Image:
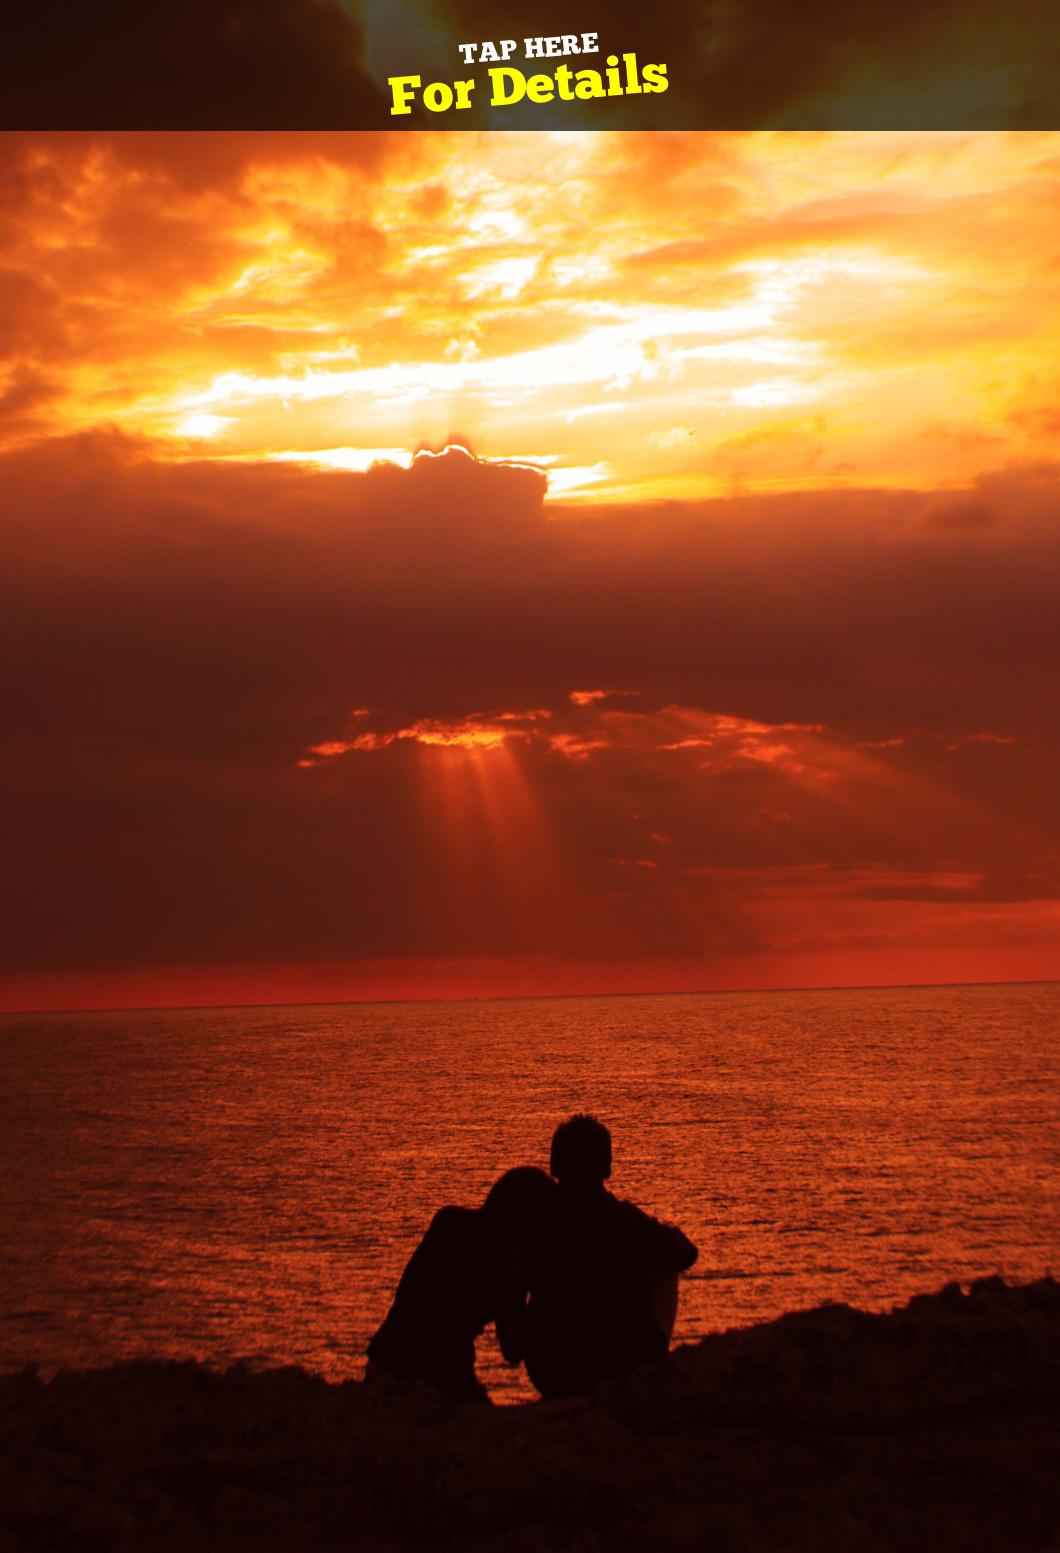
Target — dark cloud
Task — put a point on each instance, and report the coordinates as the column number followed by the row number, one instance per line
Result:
column 830, row 679
column 205, row 64
column 758, row 64
column 233, row 63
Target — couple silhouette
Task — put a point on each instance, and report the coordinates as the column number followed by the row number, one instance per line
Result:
column 581, row 1286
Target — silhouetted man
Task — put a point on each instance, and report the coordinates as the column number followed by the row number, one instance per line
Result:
column 599, row 1275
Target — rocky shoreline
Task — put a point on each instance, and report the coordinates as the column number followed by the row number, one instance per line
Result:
column 936, row 1427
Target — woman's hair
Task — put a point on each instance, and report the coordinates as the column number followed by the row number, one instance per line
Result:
column 518, row 1194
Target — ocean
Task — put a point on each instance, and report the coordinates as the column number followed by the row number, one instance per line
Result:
column 247, row 1183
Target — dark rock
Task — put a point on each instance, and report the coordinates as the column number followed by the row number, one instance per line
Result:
column 935, row 1427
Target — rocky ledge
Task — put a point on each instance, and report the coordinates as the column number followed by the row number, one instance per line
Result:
column 934, row 1427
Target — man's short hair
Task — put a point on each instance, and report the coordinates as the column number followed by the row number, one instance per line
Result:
column 581, row 1151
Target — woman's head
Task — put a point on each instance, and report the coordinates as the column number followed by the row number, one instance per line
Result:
column 518, row 1196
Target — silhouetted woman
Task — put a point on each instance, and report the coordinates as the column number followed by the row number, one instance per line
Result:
column 468, row 1270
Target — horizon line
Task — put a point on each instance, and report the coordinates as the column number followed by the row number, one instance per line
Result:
column 531, row 997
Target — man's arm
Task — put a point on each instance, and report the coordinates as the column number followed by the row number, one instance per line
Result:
column 667, row 1247
column 681, row 1251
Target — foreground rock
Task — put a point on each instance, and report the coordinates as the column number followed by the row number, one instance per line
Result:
column 932, row 1428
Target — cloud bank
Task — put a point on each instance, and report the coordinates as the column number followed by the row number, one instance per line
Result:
column 262, row 714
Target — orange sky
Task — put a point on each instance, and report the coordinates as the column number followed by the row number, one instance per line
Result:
column 646, row 316
column 755, row 690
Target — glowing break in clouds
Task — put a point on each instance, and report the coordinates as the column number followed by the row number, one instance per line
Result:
column 660, row 316
column 415, row 729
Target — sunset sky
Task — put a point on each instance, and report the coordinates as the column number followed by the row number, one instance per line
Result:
column 721, row 650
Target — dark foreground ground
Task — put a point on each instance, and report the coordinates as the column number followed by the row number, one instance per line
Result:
column 932, row 1428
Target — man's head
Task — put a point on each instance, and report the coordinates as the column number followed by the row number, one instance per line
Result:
column 581, row 1152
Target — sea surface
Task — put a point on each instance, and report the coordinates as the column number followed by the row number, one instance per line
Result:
column 248, row 1183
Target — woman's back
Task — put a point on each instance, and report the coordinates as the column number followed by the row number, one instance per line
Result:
column 446, row 1297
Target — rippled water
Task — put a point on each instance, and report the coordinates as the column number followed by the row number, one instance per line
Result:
column 248, row 1182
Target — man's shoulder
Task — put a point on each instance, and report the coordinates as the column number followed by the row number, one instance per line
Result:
column 628, row 1212
column 623, row 1206
column 664, row 1240
column 619, row 1212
